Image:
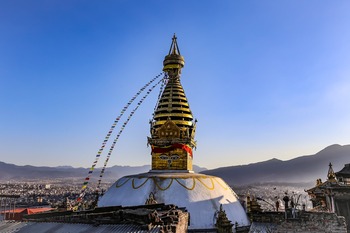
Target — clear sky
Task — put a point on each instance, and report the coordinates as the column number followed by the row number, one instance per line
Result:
column 265, row 79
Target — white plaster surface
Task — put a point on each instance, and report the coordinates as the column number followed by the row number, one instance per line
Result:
column 200, row 194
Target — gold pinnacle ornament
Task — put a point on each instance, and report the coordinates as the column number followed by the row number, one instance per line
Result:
column 172, row 126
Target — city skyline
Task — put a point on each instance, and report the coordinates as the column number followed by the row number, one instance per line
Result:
column 265, row 79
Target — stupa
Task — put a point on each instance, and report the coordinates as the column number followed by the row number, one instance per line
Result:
column 171, row 179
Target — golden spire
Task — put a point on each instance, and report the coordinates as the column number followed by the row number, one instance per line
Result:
column 173, row 59
column 331, row 174
column 172, row 127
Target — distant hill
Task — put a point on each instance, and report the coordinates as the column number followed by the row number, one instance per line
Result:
column 303, row 169
column 298, row 170
column 14, row 172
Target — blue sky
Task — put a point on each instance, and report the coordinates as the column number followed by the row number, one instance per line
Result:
column 265, row 79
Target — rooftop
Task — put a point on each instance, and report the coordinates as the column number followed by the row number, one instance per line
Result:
column 345, row 172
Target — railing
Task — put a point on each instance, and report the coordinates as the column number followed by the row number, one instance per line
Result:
column 170, row 141
column 8, row 206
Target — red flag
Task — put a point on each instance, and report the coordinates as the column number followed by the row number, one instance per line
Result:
column 172, row 147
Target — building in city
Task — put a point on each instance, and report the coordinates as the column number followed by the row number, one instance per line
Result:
column 333, row 195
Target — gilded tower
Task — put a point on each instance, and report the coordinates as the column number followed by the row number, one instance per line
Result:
column 171, row 179
column 172, row 126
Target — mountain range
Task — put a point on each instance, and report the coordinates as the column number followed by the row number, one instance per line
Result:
column 23, row 173
column 303, row 169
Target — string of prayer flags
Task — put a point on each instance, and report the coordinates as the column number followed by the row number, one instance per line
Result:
column 110, row 131
column 165, row 80
column 121, row 130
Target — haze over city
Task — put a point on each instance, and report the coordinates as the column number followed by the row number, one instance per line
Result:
column 264, row 79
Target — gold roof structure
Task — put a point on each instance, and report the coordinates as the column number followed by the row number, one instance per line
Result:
column 172, row 126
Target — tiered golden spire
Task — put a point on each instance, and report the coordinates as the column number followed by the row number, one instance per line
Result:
column 172, row 127
column 331, row 175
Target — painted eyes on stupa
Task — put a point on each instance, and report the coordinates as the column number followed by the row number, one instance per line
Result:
column 173, row 157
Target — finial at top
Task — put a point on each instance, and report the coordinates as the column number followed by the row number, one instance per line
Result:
column 174, row 48
column 331, row 174
column 173, row 60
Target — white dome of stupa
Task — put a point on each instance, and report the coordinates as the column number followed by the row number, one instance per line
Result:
column 200, row 194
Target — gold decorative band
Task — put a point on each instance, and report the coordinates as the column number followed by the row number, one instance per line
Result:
column 159, row 187
column 194, row 184
column 117, row 185
column 212, row 183
column 134, row 184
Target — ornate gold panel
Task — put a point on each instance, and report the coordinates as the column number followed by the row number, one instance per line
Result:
column 174, row 160
column 169, row 130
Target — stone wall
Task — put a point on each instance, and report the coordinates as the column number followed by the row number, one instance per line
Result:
column 314, row 222
column 342, row 207
column 169, row 218
column 320, row 222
